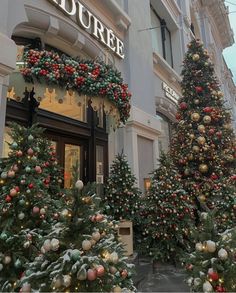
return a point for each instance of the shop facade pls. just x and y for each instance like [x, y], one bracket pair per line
[144, 40]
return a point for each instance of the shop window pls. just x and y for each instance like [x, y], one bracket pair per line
[161, 37]
[164, 139]
[6, 140]
[72, 156]
[100, 169]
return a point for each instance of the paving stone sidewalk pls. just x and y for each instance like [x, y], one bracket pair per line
[158, 277]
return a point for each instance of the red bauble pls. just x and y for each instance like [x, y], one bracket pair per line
[183, 106]
[99, 218]
[91, 275]
[8, 198]
[36, 210]
[198, 89]
[211, 131]
[31, 185]
[178, 116]
[13, 192]
[19, 153]
[17, 188]
[219, 134]
[207, 110]
[30, 152]
[219, 288]
[38, 169]
[214, 276]
[100, 270]
[124, 274]
[214, 176]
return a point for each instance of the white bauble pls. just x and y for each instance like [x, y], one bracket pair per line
[198, 246]
[65, 213]
[222, 254]
[27, 244]
[26, 288]
[67, 281]
[114, 257]
[211, 246]
[117, 289]
[47, 245]
[96, 236]
[7, 259]
[55, 244]
[21, 216]
[204, 215]
[190, 281]
[79, 184]
[197, 281]
[86, 245]
[57, 282]
[206, 287]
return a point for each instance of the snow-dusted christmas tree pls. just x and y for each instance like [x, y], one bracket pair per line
[85, 255]
[122, 197]
[211, 267]
[29, 201]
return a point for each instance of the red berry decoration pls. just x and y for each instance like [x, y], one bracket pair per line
[214, 176]
[207, 110]
[220, 289]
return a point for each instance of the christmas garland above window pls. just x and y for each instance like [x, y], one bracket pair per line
[93, 78]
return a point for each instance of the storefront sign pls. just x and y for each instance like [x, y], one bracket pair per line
[170, 93]
[91, 24]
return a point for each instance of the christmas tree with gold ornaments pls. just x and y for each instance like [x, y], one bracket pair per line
[203, 145]
[86, 255]
[211, 266]
[29, 201]
[167, 215]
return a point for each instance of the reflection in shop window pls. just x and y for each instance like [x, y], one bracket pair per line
[164, 138]
[100, 169]
[6, 141]
[72, 156]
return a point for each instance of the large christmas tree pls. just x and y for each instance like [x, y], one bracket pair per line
[121, 195]
[211, 267]
[84, 254]
[167, 215]
[203, 146]
[29, 193]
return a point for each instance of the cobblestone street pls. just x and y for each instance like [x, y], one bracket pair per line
[158, 278]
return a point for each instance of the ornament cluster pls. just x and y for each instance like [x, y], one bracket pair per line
[84, 76]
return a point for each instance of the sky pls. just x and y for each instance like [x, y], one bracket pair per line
[230, 52]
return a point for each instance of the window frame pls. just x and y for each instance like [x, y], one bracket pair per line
[163, 36]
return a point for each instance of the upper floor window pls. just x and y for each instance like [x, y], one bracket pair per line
[161, 37]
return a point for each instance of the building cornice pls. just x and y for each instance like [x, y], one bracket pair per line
[219, 12]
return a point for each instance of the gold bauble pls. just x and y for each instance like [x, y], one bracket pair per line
[227, 126]
[201, 128]
[88, 200]
[195, 57]
[207, 119]
[214, 93]
[201, 140]
[196, 148]
[187, 171]
[192, 136]
[203, 168]
[202, 197]
[220, 94]
[230, 158]
[195, 117]
[190, 157]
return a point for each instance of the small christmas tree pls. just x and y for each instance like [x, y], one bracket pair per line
[212, 265]
[167, 215]
[27, 208]
[121, 196]
[203, 145]
[85, 255]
